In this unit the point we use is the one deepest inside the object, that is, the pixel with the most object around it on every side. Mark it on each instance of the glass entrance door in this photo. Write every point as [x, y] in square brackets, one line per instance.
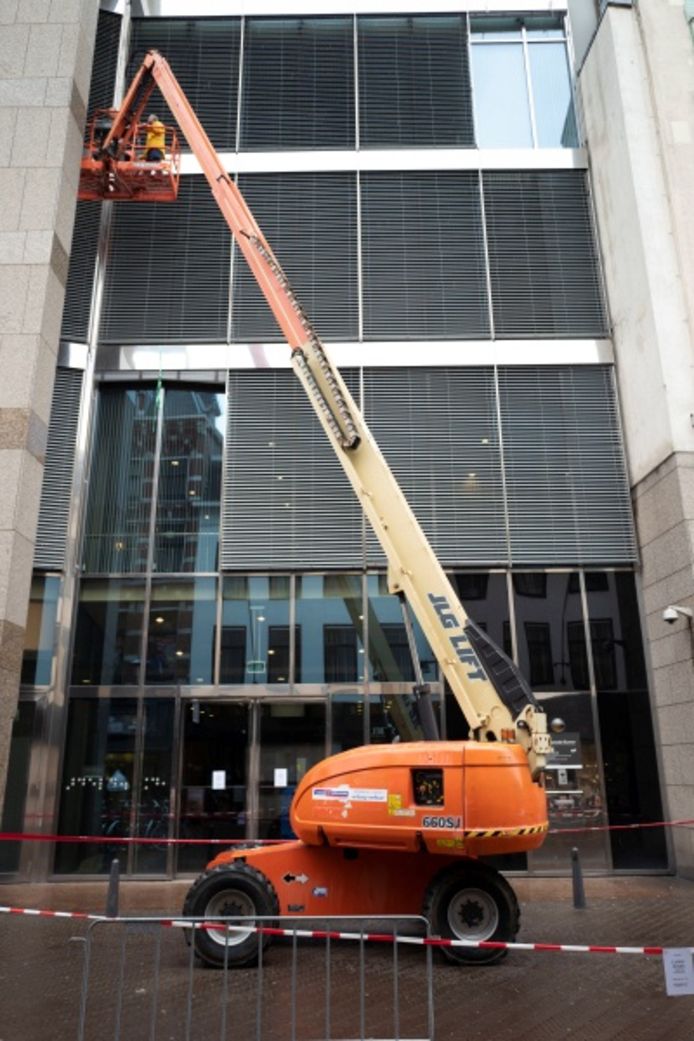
[292, 739]
[214, 778]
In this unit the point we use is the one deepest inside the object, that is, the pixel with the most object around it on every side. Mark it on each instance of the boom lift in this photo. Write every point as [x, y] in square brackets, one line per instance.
[384, 829]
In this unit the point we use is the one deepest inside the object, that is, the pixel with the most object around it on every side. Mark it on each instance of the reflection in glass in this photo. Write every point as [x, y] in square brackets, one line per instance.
[108, 632]
[347, 721]
[396, 717]
[180, 645]
[121, 483]
[502, 80]
[213, 778]
[292, 739]
[485, 599]
[329, 614]
[549, 628]
[255, 629]
[153, 813]
[389, 655]
[39, 634]
[502, 113]
[574, 789]
[12, 818]
[97, 785]
[626, 727]
[190, 471]
[554, 112]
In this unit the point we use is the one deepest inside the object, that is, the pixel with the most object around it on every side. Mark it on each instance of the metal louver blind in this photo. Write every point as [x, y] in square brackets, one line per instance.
[414, 82]
[56, 491]
[310, 220]
[566, 482]
[85, 235]
[543, 261]
[437, 428]
[204, 55]
[423, 256]
[80, 278]
[298, 83]
[105, 62]
[287, 502]
[167, 278]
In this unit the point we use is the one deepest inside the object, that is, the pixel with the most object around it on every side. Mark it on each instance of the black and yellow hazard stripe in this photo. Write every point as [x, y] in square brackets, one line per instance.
[495, 833]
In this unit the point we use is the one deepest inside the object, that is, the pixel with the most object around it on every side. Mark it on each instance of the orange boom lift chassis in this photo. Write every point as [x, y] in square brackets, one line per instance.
[385, 829]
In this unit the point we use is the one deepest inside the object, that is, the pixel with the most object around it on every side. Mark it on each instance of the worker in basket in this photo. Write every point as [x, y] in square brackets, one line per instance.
[155, 141]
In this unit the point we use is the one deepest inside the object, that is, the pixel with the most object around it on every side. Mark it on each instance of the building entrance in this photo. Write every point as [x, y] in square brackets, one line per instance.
[240, 764]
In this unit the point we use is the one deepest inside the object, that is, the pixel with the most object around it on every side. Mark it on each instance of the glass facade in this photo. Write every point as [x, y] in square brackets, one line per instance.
[203, 684]
[521, 83]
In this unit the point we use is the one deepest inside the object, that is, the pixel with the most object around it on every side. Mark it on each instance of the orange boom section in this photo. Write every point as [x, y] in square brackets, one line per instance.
[452, 797]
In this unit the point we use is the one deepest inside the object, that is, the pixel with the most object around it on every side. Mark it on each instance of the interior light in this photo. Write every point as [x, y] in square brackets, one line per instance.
[192, 491]
[270, 651]
[485, 440]
[280, 477]
[179, 654]
[261, 617]
[175, 462]
[159, 620]
[472, 476]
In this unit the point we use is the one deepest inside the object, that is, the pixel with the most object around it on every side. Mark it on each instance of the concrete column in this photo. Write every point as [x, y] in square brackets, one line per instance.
[637, 94]
[46, 51]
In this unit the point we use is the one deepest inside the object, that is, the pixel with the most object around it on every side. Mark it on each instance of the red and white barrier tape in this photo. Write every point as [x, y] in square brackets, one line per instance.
[124, 840]
[325, 934]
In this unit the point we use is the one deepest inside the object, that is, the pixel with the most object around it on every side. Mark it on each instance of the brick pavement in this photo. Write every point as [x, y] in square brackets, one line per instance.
[538, 996]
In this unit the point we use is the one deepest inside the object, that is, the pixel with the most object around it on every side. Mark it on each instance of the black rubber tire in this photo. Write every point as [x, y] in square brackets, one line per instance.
[472, 902]
[234, 889]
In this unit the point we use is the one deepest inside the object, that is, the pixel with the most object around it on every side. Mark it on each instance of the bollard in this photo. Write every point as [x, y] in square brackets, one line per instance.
[577, 877]
[112, 893]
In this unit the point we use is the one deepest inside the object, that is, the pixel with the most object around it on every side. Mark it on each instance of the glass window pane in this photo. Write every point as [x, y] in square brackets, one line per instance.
[154, 817]
[213, 779]
[190, 470]
[121, 481]
[97, 782]
[255, 629]
[389, 655]
[414, 85]
[574, 788]
[485, 599]
[502, 114]
[550, 631]
[347, 720]
[298, 89]
[12, 818]
[292, 739]
[39, 636]
[554, 111]
[493, 27]
[329, 615]
[180, 645]
[626, 725]
[397, 717]
[108, 632]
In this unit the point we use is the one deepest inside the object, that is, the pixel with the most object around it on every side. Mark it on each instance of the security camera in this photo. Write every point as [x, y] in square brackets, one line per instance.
[673, 611]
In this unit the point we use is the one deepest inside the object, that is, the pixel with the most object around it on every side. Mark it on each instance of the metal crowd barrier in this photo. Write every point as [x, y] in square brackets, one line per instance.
[140, 982]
